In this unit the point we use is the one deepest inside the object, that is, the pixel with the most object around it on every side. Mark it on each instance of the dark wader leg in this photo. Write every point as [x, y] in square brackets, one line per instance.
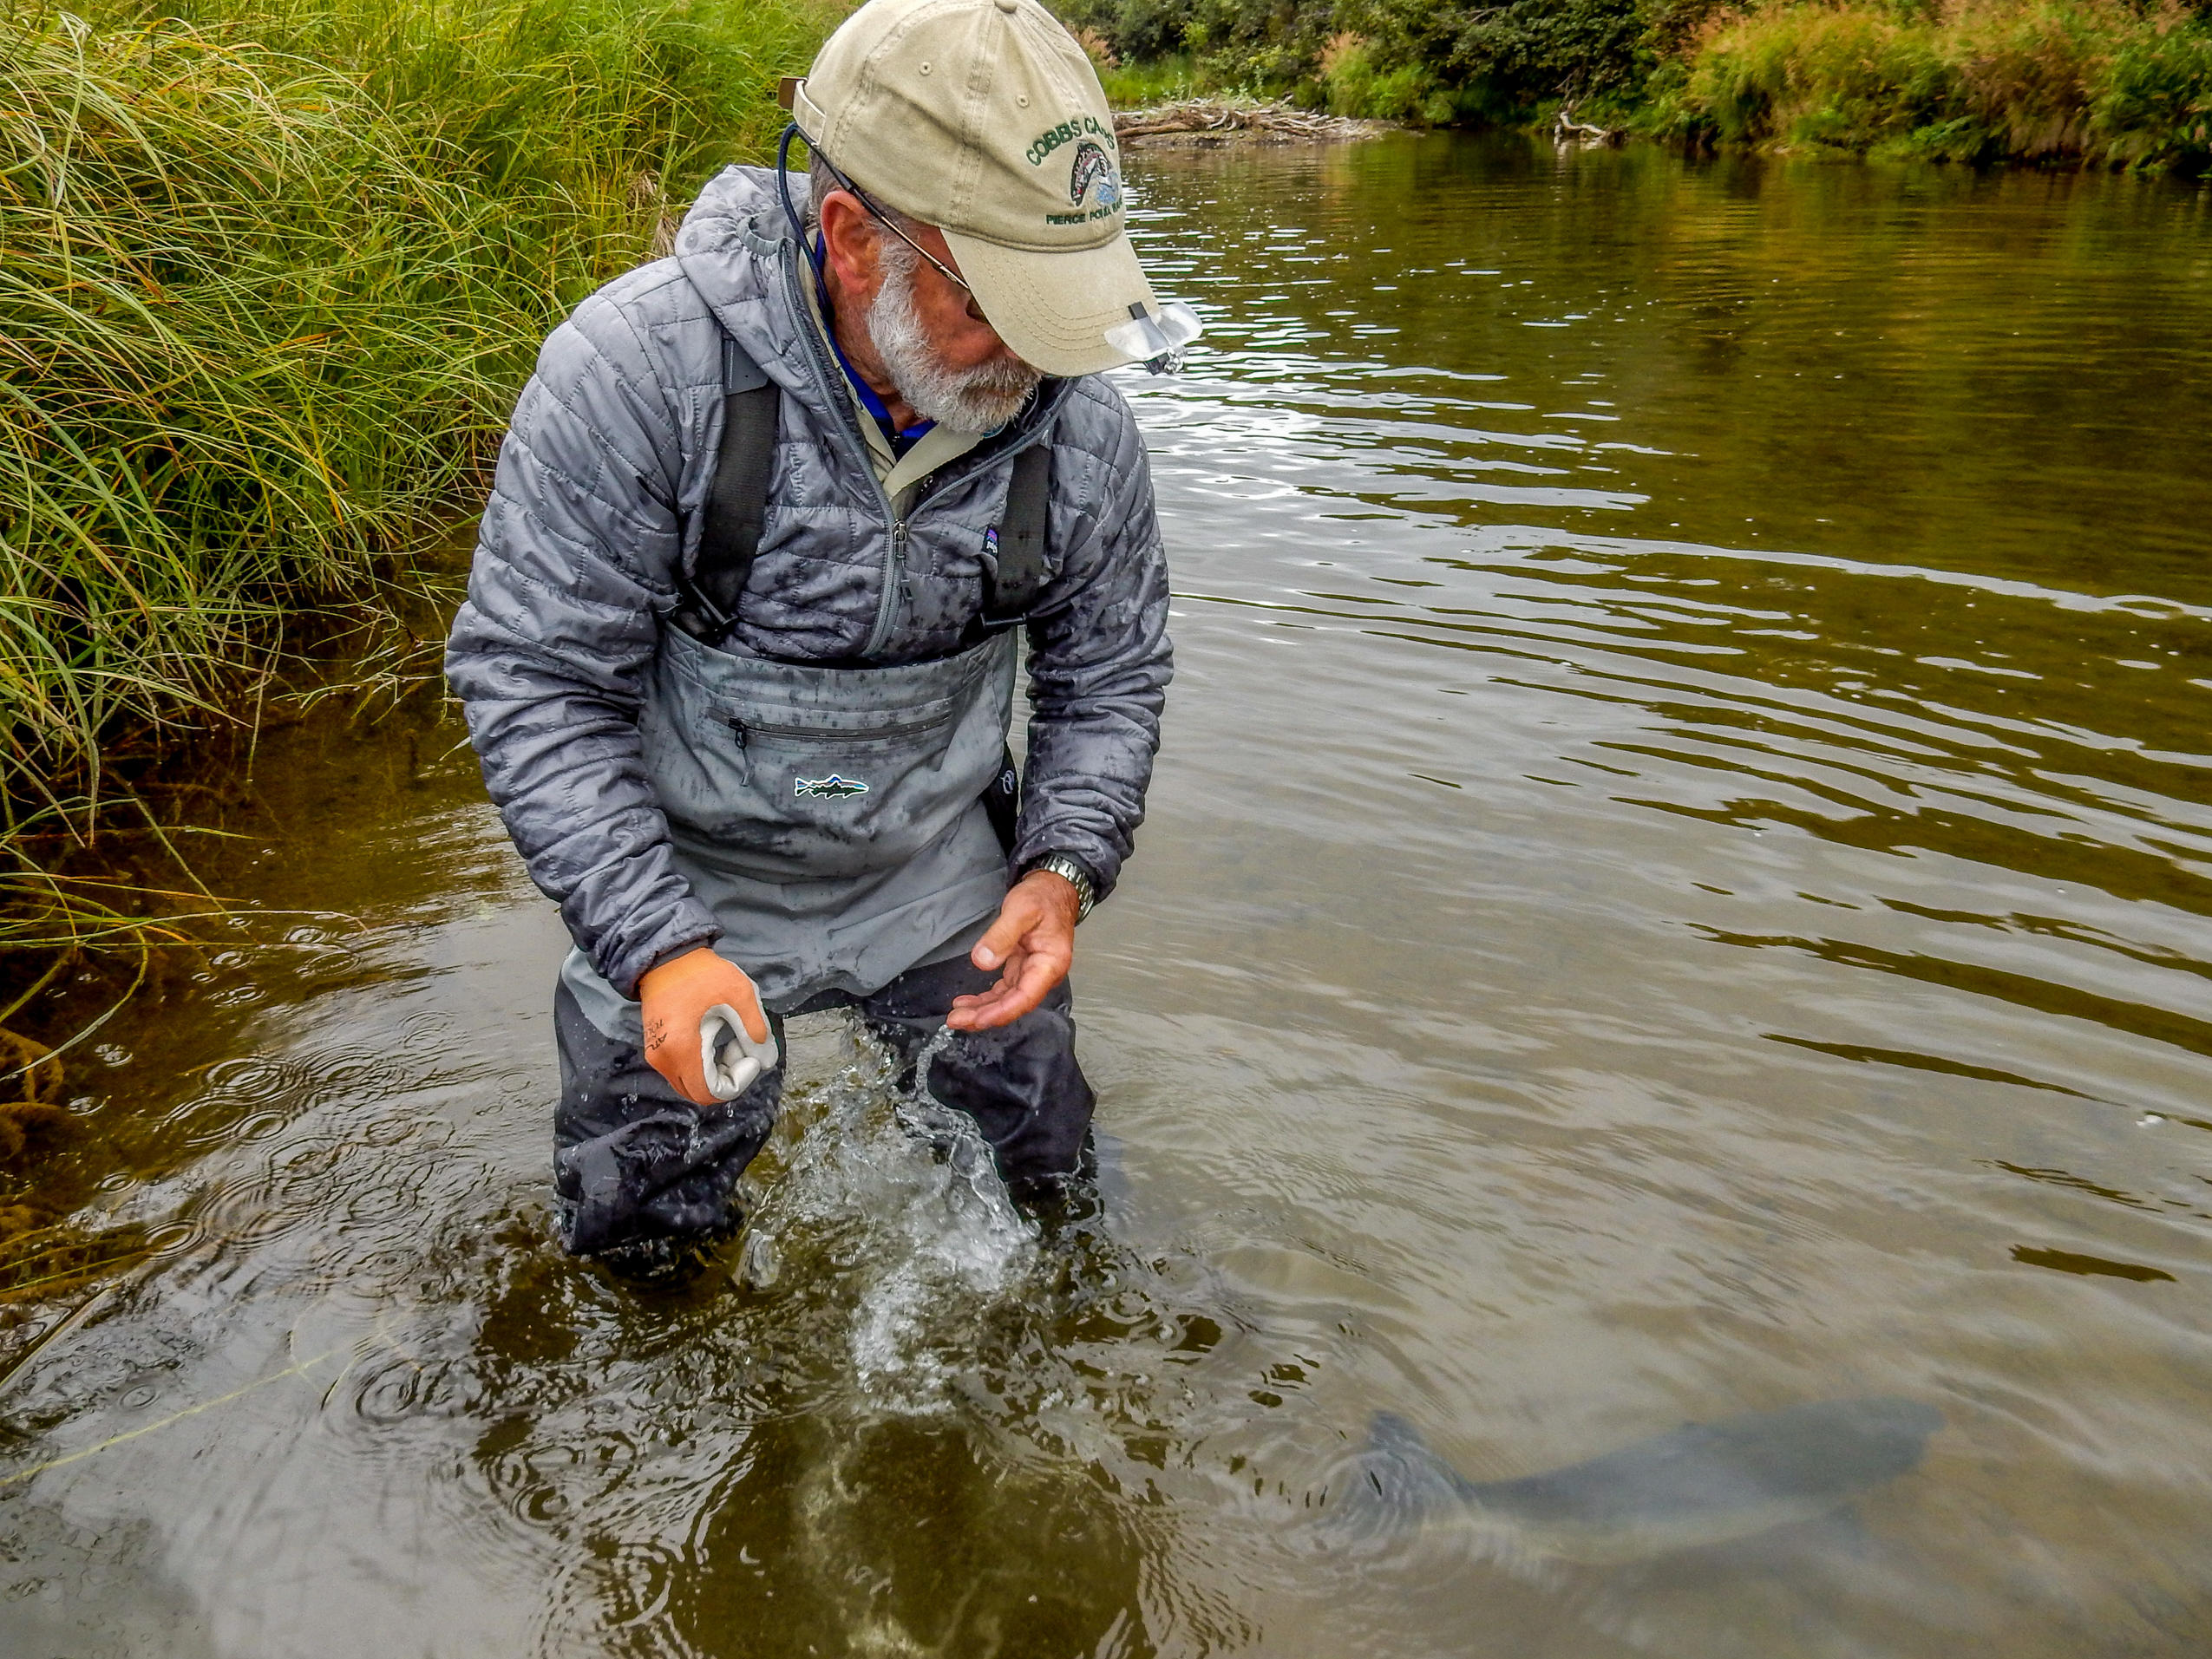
[633, 1160]
[1020, 1083]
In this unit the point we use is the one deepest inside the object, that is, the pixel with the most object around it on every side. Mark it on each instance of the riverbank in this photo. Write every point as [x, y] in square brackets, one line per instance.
[274, 274]
[2095, 82]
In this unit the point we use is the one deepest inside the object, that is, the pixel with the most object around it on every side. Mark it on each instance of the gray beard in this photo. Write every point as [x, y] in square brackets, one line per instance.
[982, 399]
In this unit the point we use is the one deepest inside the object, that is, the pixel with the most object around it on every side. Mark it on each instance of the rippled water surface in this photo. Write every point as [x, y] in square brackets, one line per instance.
[1676, 887]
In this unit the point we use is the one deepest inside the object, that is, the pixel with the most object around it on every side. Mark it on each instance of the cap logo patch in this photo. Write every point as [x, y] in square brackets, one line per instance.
[1094, 169]
[1091, 174]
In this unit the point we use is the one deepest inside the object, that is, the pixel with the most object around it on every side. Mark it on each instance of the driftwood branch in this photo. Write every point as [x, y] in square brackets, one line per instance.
[1566, 130]
[1214, 121]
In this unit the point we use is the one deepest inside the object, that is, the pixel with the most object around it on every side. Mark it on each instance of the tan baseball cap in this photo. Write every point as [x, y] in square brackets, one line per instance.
[985, 119]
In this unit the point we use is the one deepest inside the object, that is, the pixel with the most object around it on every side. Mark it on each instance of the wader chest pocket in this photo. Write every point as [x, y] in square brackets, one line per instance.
[748, 730]
[791, 773]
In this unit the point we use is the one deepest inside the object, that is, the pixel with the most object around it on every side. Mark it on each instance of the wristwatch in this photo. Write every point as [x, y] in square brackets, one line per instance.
[1061, 865]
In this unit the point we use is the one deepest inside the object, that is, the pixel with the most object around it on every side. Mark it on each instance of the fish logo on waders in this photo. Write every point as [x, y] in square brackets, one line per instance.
[1094, 172]
[832, 787]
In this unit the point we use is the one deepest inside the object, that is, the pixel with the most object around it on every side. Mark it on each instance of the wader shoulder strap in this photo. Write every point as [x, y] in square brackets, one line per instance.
[1014, 586]
[1009, 592]
[736, 504]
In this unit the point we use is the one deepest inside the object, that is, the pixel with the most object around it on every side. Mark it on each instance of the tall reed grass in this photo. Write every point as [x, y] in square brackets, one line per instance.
[271, 279]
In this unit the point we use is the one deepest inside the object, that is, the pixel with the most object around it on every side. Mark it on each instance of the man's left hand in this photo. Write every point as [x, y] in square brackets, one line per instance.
[1034, 939]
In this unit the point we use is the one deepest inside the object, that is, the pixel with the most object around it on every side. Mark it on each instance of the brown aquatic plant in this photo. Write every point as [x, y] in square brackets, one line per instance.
[45, 1258]
[36, 1067]
[36, 1124]
[30, 1127]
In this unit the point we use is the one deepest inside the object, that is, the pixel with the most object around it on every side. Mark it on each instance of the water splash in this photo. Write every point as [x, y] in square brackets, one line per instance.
[894, 1196]
[964, 1245]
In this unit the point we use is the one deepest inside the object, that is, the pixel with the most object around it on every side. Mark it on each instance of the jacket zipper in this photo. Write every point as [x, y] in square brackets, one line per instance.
[894, 574]
[894, 584]
[829, 381]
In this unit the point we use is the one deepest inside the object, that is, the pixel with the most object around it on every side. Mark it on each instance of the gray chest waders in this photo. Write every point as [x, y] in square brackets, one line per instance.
[839, 822]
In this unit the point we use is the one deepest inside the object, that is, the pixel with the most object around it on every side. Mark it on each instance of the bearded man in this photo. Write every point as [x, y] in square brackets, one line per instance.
[740, 644]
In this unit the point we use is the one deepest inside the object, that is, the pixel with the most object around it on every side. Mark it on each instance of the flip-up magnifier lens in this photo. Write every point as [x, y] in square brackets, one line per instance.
[1157, 342]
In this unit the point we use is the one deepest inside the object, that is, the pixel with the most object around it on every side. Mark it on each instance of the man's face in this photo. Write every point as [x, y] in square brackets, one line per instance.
[932, 338]
[950, 320]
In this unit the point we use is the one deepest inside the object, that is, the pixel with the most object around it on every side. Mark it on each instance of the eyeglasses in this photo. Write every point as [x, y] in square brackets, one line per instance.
[975, 308]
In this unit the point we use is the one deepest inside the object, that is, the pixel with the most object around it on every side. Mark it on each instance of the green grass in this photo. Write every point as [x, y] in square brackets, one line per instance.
[2097, 81]
[1344, 82]
[1355, 80]
[1166, 80]
[272, 280]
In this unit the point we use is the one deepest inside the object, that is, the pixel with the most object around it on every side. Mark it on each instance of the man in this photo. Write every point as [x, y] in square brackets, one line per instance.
[738, 651]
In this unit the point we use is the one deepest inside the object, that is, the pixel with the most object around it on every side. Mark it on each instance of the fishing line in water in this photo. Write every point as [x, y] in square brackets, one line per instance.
[159, 1259]
[359, 1348]
[300, 1368]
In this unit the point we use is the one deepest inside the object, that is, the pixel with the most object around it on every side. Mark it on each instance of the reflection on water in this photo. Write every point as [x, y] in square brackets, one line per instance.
[1675, 888]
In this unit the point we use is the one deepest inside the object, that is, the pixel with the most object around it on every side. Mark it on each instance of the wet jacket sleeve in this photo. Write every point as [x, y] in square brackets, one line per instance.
[549, 653]
[1099, 657]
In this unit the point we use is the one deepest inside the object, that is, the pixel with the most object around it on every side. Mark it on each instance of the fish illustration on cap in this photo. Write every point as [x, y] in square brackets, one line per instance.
[1094, 168]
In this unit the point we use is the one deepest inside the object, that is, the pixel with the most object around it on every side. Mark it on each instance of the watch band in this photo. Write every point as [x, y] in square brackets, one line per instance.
[1061, 865]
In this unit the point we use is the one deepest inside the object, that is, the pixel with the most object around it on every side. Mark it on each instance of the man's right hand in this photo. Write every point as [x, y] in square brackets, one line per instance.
[673, 996]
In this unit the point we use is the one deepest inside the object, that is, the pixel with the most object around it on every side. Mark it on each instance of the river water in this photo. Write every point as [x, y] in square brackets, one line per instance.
[1676, 887]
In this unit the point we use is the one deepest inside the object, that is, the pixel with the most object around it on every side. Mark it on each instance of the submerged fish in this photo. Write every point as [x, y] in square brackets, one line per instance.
[1703, 1484]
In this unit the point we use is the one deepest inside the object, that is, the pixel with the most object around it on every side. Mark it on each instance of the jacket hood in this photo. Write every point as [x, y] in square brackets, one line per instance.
[736, 246]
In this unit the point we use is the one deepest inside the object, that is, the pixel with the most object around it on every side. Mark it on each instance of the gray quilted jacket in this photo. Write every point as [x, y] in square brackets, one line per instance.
[597, 498]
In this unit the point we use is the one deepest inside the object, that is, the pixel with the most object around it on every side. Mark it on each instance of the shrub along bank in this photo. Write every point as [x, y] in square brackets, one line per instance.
[272, 280]
[2101, 81]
